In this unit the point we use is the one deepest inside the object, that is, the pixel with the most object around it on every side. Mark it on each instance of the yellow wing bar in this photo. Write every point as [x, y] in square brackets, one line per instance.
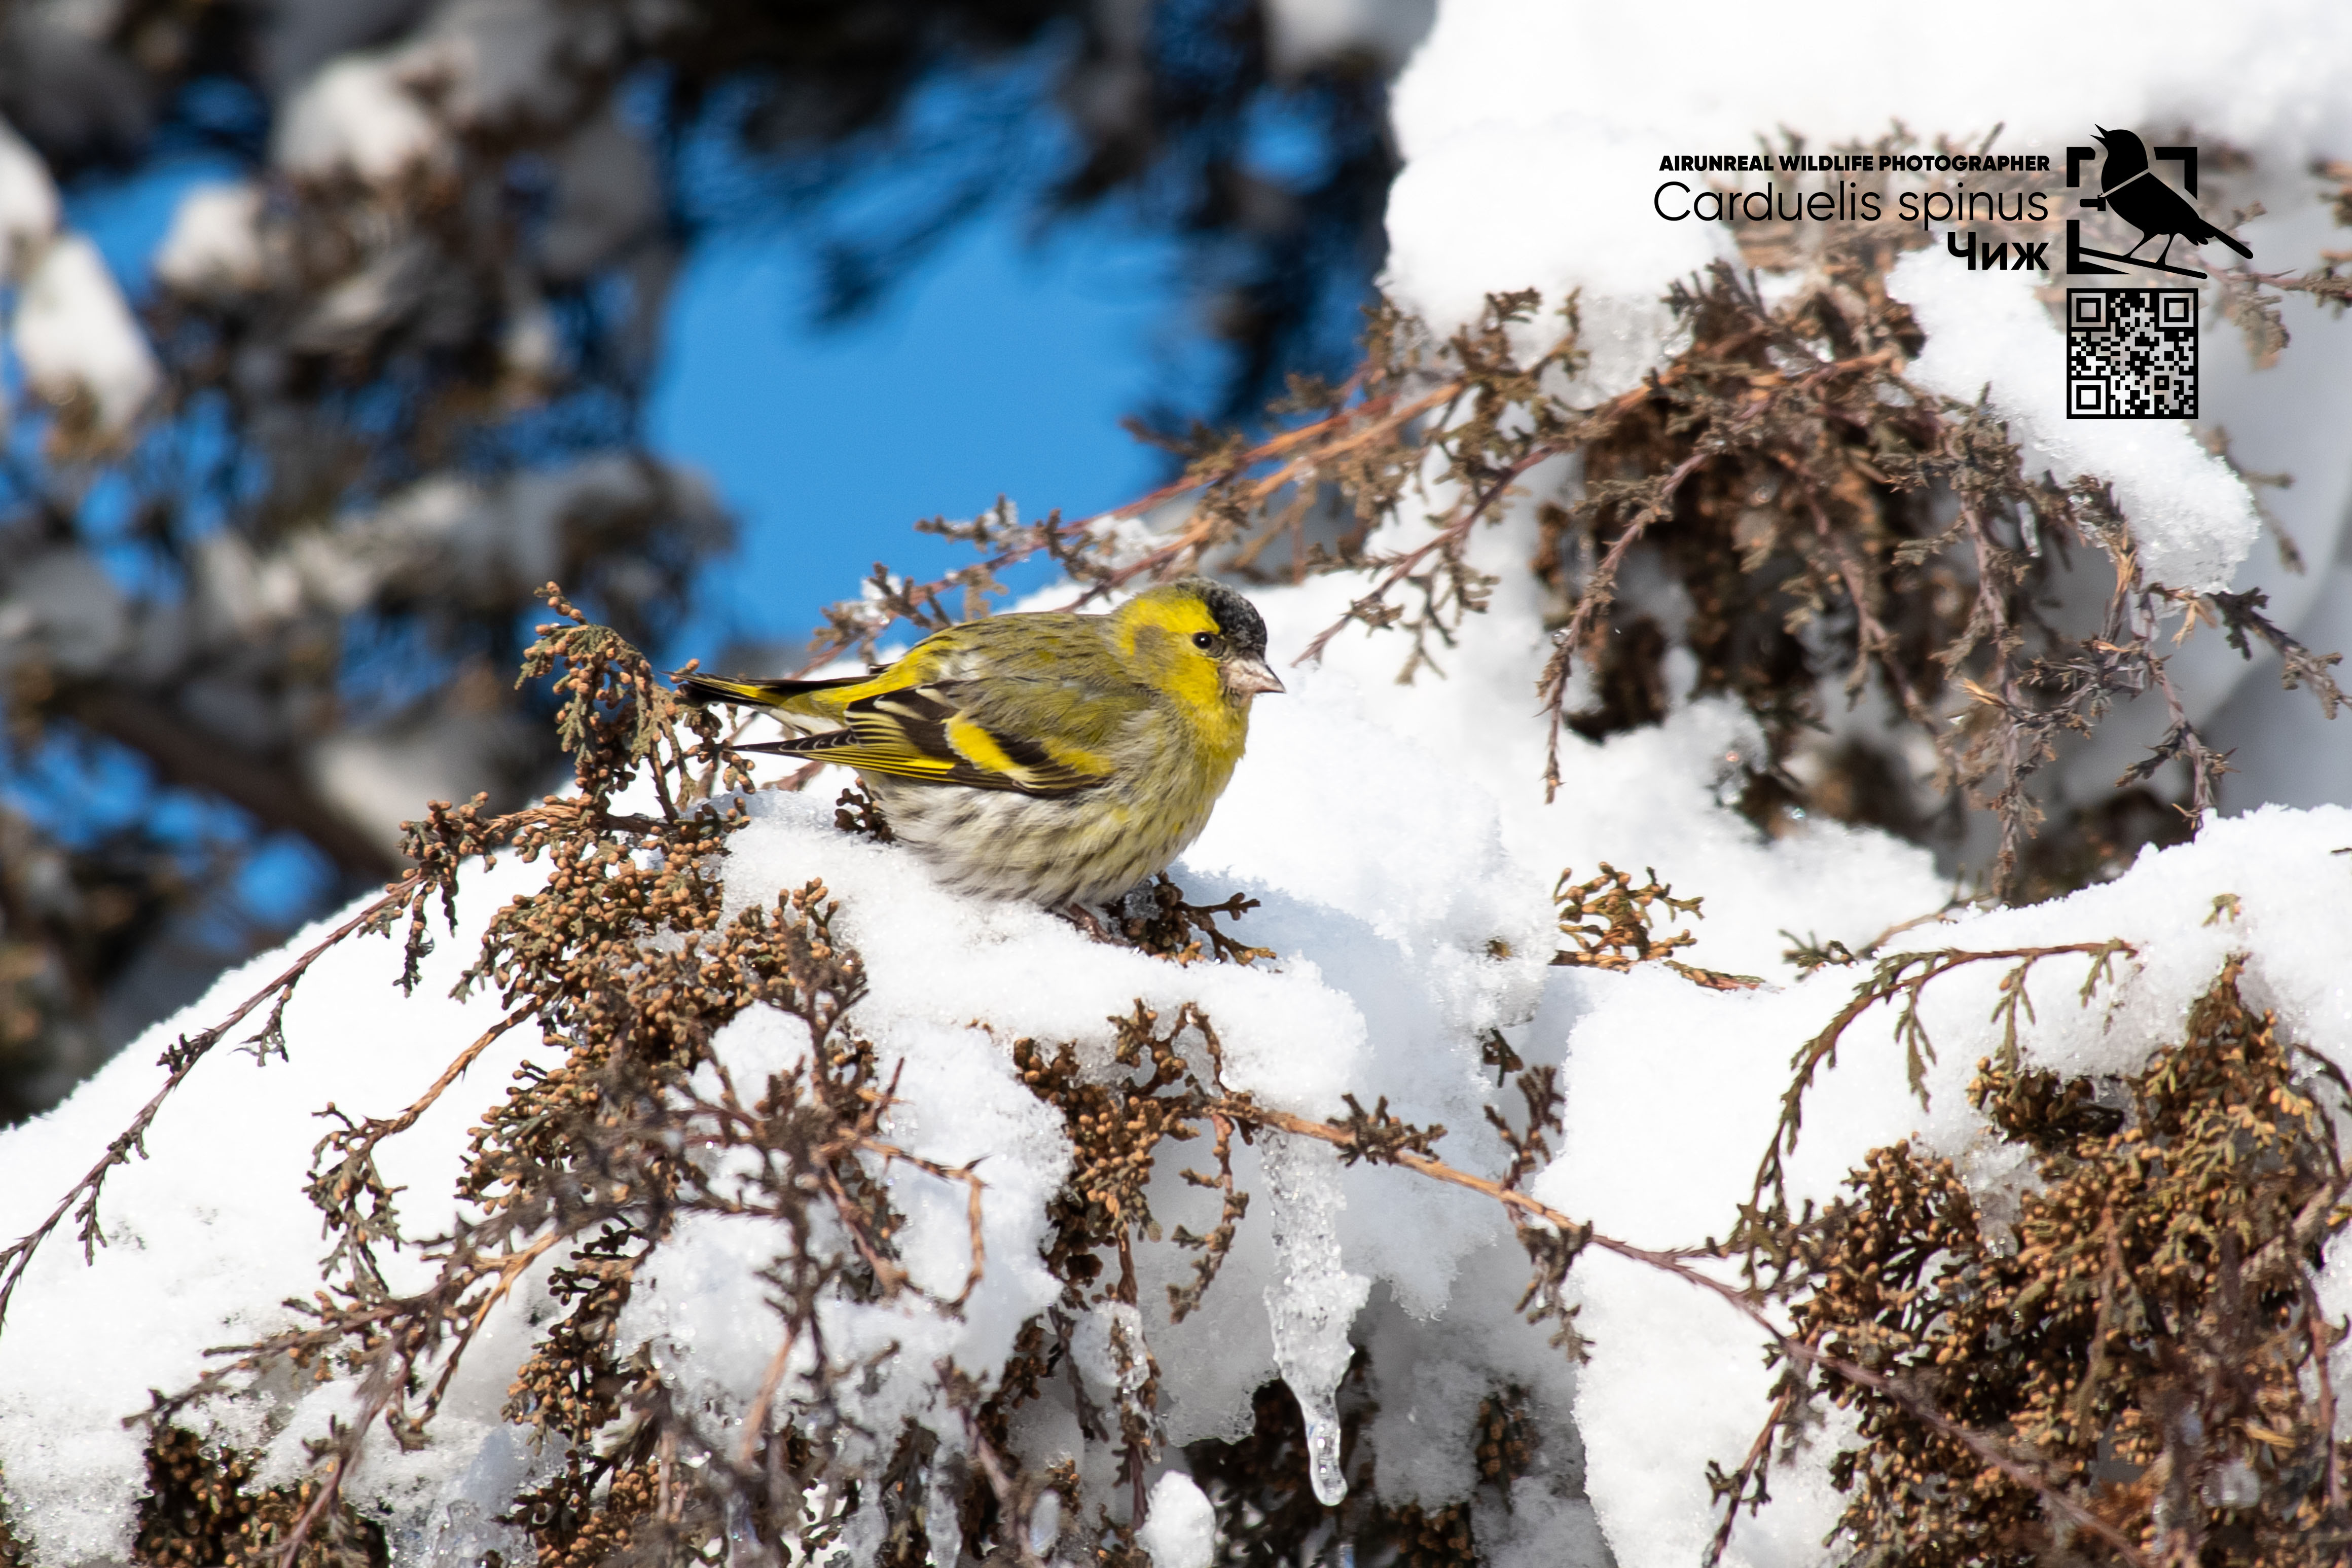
[919, 732]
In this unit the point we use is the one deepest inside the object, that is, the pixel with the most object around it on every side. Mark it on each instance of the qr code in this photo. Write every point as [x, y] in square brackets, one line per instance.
[2131, 353]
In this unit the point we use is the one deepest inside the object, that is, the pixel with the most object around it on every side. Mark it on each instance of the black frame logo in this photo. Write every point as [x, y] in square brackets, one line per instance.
[2131, 353]
[2131, 189]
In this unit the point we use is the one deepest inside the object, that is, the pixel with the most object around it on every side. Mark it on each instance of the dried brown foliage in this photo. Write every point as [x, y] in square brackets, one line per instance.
[1833, 533]
[1902, 979]
[1170, 1089]
[1157, 919]
[2254, 312]
[621, 960]
[2148, 1331]
[1116, 1127]
[2141, 1373]
[199, 1512]
[1610, 921]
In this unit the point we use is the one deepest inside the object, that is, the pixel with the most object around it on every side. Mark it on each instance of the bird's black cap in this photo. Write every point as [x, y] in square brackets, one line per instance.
[1237, 618]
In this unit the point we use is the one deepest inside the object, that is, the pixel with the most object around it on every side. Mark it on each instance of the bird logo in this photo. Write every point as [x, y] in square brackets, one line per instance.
[2131, 189]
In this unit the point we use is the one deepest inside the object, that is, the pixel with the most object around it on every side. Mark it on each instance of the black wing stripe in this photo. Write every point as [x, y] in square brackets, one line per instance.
[910, 702]
[911, 717]
[1026, 753]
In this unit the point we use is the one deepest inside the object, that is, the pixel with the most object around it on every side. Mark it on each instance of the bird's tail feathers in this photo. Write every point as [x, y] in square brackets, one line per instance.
[767, 693]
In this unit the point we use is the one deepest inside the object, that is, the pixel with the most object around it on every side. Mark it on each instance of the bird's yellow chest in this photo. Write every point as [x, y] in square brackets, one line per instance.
[1209, 724]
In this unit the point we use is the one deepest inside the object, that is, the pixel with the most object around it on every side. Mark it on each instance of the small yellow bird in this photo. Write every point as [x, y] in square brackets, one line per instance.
[1051, 756]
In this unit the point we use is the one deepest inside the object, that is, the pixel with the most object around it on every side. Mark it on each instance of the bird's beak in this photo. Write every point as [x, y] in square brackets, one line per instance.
[1245, 676]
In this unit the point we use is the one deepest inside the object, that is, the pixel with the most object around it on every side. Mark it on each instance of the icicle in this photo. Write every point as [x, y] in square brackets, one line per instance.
[1322, 1414]
[1316, 1301]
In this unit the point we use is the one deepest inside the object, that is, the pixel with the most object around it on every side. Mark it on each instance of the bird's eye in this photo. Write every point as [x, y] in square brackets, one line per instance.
[1203, 641]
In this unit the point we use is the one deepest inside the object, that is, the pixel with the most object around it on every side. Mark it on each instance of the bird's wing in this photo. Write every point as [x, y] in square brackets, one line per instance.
[941, 732]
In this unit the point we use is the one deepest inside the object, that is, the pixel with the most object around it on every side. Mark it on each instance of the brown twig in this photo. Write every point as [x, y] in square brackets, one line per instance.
[2018, 1470]
[2321, 1337]
[1907, 974]
[1734, 1488]
[181, 1058]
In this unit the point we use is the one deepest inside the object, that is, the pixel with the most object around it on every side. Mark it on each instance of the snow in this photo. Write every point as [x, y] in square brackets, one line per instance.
[2193, 519]
[375, 774]
[28, 202]
[1390, 904]
[203, 1224]
[1488, 88]
[441, 539]
[2281, 420]
[1650, 1153]
[1663, 1142]
[63, 607]
[75, 337]
[447, 535]
[355, 118]
[1396, 835]
[1385, 979]
[1513, 180]
[607, 193]
[213, 245]
[1182, 1530]
[1301, 34]
[499, 63]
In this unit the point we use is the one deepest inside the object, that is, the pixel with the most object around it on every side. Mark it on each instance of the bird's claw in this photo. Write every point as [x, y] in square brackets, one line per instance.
[1079, 915]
